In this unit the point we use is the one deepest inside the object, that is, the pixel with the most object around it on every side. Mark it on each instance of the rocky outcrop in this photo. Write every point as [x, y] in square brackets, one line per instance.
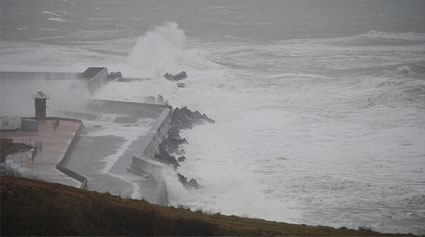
[181, 119]
[164, 157]
[192, 183]
[115, 75]
[184, 118]
[177, 77]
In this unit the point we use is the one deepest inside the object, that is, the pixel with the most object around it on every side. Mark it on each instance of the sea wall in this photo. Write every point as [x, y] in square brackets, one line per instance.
[61, 165]
[97, 78]
[154, 169]
[49, 76]
[145, 165]
[157, 133]
[146, 110]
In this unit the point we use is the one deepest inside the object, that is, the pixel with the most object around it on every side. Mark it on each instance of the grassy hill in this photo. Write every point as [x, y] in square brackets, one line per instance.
[30, 207]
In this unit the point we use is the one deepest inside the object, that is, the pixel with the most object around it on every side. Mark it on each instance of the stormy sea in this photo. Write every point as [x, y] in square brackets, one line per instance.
[319, 104]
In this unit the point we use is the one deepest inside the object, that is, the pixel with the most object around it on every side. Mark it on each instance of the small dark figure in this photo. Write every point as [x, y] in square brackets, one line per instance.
[56, 123]
[160, 99]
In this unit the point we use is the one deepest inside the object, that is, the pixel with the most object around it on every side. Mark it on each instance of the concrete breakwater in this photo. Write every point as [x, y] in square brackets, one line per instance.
[92, 79]
[30, 164]
[160, 145]
[144, 164]
[169, 141]
[110, 146]
[153, 169]
[77, 157]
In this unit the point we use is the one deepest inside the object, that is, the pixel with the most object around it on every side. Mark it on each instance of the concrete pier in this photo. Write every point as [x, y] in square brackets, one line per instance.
[50, 144]
[100, 147]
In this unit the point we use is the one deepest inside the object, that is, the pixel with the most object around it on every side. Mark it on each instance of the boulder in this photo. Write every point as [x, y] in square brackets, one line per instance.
[164, 157]
[177, 77]
[115, 75]
[181, 118]
[181, 159]
[188, 184]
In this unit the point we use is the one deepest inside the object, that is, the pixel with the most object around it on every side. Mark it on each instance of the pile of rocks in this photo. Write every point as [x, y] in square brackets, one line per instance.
[181, 119]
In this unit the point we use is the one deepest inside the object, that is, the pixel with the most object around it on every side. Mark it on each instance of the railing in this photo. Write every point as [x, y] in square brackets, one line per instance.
[73, 174]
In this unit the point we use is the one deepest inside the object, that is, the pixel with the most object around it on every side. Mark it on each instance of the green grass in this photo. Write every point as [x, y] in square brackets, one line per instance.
[30, 207]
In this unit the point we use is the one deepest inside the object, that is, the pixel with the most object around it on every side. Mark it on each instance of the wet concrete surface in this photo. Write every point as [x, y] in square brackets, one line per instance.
[54, 144]
[103, 154]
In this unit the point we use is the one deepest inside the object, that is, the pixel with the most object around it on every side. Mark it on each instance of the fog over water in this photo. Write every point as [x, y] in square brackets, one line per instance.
[319, 104]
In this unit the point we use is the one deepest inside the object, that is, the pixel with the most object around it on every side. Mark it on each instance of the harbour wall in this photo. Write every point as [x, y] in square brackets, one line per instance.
[61, 165]
[95, 78]
[145, 164]
[49, 76]
[157, 133]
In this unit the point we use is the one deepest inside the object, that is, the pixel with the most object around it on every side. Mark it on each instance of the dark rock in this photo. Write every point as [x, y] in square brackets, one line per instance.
[177, 77]
[115, 75]
[181, 159]
[164, 157]
[172, 143]
[194, 184]
[181, 85]
[188, 184]
[182, 118]
[180, 152]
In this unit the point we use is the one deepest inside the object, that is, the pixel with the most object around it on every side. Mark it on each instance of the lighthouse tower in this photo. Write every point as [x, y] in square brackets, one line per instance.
[40, 105]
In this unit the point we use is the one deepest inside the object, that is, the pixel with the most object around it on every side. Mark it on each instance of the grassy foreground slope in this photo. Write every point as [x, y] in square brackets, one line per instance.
[30, 207]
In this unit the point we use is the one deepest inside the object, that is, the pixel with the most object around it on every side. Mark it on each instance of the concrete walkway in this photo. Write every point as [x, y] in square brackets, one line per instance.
[54, 142]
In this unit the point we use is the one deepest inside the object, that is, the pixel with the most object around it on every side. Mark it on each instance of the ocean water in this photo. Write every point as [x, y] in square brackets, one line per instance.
[319, 105]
